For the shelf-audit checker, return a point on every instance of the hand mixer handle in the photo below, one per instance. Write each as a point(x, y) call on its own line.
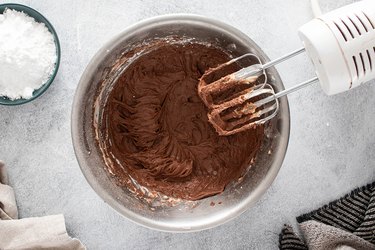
point(341, 44)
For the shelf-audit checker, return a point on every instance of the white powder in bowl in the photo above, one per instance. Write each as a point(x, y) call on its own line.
point(27, 55)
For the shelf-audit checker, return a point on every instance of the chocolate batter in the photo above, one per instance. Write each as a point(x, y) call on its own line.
point(157, 127)
point(228, 108)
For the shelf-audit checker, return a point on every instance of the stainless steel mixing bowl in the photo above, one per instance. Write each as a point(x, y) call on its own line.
point(190, 216)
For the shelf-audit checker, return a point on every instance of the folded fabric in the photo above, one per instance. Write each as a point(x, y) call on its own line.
point(347, 223)
point(46, 232)
point(8, 207)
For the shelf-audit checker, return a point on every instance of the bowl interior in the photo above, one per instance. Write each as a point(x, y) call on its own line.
point(187, 216)
point(41, 19)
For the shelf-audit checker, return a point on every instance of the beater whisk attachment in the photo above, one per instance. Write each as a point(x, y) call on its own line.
point(245, 111)
point(242, 99)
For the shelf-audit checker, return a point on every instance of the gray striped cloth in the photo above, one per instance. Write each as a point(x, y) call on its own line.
point(347, 223)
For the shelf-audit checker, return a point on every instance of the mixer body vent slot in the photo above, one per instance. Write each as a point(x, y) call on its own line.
point(364, 26)
point(363, 63)
point(342, 32)
point(355, 26)
point(369, 20)
point(347, 27)
point(356, 65)
point(369, 58)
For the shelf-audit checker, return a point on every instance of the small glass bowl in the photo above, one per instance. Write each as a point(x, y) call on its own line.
point(41, 19)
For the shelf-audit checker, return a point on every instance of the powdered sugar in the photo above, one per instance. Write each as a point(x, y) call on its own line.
point(27, 55)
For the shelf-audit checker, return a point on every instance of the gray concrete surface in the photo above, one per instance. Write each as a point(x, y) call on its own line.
point(331, 148)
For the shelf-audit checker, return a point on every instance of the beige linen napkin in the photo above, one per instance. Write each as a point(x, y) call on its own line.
point(46, 232)
point(8, 207)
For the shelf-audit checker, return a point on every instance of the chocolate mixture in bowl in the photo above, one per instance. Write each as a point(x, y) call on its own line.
point(156, 128)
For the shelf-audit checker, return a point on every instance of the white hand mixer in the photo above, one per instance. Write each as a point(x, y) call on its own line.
point(341, 45)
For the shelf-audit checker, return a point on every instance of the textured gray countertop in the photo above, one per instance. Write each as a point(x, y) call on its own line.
point(331, 149)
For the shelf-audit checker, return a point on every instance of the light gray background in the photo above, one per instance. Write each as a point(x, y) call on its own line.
point(331, 148)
